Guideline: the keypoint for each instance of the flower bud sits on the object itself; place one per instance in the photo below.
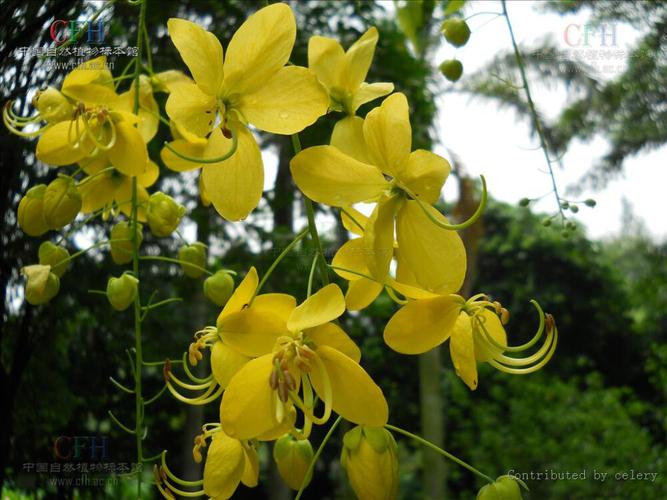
(121, 241)
(293, 457)
(163, 214)
(574, 208)
(370, 459)
(62, 202)
(52, 105)
(194, 254)
(590, 202)
(456, 31)
(31, 211)
(52, 255)
(219, 287)
(452, 69)
(524, 202)
(122, 291)
(42, 284)
(504, 488)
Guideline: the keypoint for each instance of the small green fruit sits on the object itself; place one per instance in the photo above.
(456, 31)
(219, 287)
(452, 69)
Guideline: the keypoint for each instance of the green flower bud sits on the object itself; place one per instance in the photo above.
(122, 291)
(293, 457)
(52, 255)
(121, 241)
(590, 202)
(52, 105)
(163, 214)
(42, 285)
(370, 458)
(62, 202)
(452, 69)
(524, 202)
(571, 225)
(565, 233)
(456, 31)
(194, 254)
(574, 208)
(219, 287)
(504, 488)
(31, 211)
(564, 205)
(546, 222)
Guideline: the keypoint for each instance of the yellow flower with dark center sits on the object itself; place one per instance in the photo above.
(251, 85)
(305, 352)
(371, 161)
(343, 73)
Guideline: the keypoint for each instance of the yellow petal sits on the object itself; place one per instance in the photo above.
(358, 60)
(279, 304)
(128, 154)
(178, 164)
(413, 292)
(462, 351)
(98, 191)
(323, 306)
(348, 136)
(164, 81)
(354, 221)
(425, 175)
(379, 237)
(251, 332)
(436, 256)
(224, 466)
(192, 110)
(327, 175)
(148, 112)
(250, 475)
(260, 47)
(332, 335)
(286, 104)
(388, 134)
(326, 59)
(201, 52)
(496, 331)
(361, 293)
(421, 325)
(55, 146)
(234, 185)
(355, 396)
(248, 404)
(242, 295)
(225, 362)
(369, 92)
(148, 178)
(90, 82)
(352, 256)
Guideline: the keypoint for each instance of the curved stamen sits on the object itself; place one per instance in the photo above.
(205, 398)
(173, 476)
(531, 342)
(454, 227)
(17, 118)
(97, 140)
(392, 294)
(190, 375)
(534, 368)
(193, 159)
(500, 357)
(191, 387)
(15, 128)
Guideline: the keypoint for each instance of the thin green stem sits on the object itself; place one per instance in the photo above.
(175, 261)
(319, 451)
(444, 453)
(280, 257)
(310, 212)
(311, 274)
(533, 112)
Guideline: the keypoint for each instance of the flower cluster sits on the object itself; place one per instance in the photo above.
(278, 367)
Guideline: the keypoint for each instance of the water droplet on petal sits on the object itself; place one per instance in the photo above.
(283, 115)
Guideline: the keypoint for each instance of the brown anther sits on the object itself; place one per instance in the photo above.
(194, 356)
(303, 365)
(166, 369)
(283, 391)
(306, 352)
(273, 379)
(226, 132)
(283, 364)
(101, 115)
(504, 316)
(550, 322)
(498, 307)
(279, 355)
(289, 380)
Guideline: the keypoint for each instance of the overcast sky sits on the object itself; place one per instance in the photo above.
(493, 142)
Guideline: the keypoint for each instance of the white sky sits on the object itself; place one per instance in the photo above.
(493, 142)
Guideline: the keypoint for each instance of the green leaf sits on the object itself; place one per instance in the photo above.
(453, 6)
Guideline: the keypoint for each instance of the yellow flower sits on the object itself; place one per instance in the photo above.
(251, 85)
(475, 331)
(366, 153)
(41, 284)
(370, 459)
(343, 73)
(54, 256)
(228, 463)
(101, 124)
(293, 458)
(305, 351)
(504, 488)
